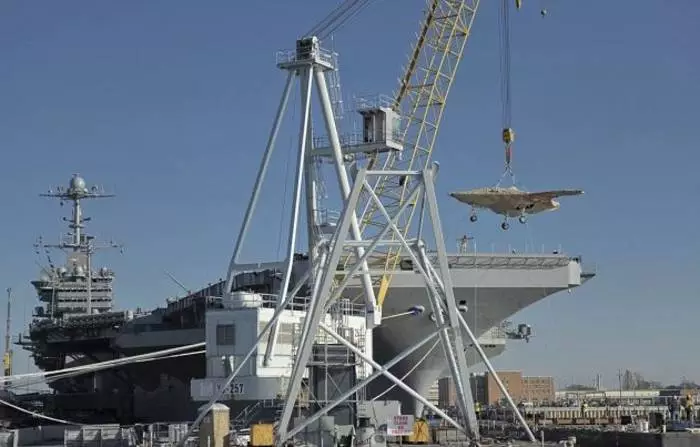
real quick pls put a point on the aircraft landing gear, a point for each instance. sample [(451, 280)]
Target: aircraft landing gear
[(473, 218), (505, 225), (522, 219)]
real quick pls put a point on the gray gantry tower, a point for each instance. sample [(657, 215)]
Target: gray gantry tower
[(328, 274)]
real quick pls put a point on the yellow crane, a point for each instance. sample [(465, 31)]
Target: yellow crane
[(421, 99)]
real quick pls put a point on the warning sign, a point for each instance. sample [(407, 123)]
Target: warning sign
[(401, 425)]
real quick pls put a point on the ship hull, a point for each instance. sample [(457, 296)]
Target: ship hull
[(155, 403), (492, 288), (395, 336), (490, 296)]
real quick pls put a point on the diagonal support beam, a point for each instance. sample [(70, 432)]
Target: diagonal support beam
[(229, 380), (458, 364), (344, 184), (458, 368), (260, 178), (373, 244), (447, 325), (379, 370), (316, 310), (477, 346), (306, 85)]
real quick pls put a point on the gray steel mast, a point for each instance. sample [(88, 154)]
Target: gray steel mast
[(79, 241)]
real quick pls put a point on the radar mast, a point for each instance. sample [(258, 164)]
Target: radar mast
[(80, 247)]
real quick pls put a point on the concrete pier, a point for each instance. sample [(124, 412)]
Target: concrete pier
[(600, 438), (582, 437), (574, 416), (595, 412)]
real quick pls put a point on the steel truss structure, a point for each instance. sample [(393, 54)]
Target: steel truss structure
[(439, 288), (308, 63), (424, 88)]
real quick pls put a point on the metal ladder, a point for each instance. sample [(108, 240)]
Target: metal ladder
[(334, 91), (243, 419), (296, 339), (247, 416), (359, 341)]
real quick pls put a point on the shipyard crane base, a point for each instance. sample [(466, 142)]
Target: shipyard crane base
[(329, 288), (308, 63), (342, 257)]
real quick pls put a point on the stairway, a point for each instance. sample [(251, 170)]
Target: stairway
[(264, 410)]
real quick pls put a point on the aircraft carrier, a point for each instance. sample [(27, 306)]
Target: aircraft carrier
[(77, 323)]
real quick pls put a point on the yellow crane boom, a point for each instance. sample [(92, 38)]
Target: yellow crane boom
[(421, 99)]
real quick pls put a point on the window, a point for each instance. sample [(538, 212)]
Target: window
[(225, 334), (229, 362)]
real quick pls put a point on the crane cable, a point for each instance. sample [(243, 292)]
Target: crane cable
[(37, 415), (92, 368), (74, 371), (507, 133), (337, 18), (105, 364)]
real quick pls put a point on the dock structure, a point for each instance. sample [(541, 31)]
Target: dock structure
[(575, 413)]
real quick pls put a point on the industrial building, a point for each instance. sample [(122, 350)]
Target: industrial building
[(535, 389)]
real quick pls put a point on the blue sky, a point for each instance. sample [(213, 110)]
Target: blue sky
[(168, 104)]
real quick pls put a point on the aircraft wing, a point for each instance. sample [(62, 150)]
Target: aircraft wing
[(549, 195), (480, 198)]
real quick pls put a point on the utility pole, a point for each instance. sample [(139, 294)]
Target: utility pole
[(619, 379), (7, 357)]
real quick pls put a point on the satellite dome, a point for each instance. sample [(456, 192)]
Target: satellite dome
[(62, 271), (77, 183), (79, 270)]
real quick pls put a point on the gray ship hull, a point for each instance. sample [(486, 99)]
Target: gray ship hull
[(76, 320), (492, 287)]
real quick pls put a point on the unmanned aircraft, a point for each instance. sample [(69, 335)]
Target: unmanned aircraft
[(512, 202)]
